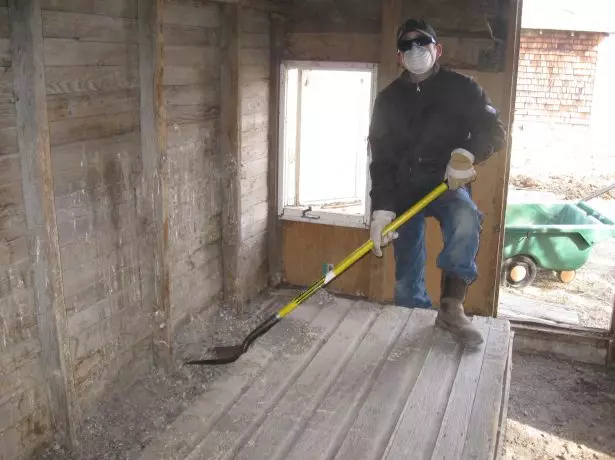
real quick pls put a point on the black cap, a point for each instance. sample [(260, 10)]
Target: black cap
[(419, 25)]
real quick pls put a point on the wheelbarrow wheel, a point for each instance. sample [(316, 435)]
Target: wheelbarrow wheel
[(520, 271), (566, 276)]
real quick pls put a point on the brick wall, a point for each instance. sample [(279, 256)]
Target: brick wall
[(556, 76)]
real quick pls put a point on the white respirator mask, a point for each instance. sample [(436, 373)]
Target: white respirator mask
[(418, 60)]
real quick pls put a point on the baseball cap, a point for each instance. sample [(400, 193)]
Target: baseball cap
[(419, 25)]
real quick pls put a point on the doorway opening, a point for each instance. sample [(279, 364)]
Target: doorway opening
[(558, 262)]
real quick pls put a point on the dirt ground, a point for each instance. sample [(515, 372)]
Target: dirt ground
[(560, 410), (570, 174), (590, 294)]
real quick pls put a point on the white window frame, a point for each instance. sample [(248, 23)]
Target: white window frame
[(305, 214)]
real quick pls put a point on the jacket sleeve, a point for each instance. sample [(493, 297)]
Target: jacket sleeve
[(384, 159), (487, 132)]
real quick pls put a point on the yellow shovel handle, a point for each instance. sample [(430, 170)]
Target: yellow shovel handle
[(362, 250)]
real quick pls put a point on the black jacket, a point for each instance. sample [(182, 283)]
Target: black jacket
[(415, 127)]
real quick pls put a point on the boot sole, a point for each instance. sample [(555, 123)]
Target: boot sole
[(446, 327)]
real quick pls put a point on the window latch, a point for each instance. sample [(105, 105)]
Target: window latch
[(305, 215)]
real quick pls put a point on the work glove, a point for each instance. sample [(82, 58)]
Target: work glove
[(381, 219), (460, 169)]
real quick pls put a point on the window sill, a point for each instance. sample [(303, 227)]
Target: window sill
[(338, 219)]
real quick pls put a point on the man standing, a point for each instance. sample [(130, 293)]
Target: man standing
[(428, 125)]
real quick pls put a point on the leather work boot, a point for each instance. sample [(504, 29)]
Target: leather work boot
[(451, 316)]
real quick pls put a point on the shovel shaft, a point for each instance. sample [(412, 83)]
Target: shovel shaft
[(361, 251)]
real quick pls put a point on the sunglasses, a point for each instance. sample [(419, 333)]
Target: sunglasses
[(407, 43)]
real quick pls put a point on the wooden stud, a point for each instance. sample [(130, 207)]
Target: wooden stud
[(380, 276), (510, 71), (229, 147), (153, 207), (275, 224), (41, 231)]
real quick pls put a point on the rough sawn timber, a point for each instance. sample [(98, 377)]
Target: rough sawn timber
[(350, 379)]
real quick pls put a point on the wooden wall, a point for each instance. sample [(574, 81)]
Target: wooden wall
[(191, 79), (91, 71), (475, 37), (24, 410), (254, 72), (113, 238)]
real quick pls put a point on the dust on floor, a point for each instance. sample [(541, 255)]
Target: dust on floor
[(560, 410), (125, 420)]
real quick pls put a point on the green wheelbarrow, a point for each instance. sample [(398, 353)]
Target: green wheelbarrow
[(556, 236)]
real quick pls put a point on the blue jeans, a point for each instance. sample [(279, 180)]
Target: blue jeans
[(460, 223)]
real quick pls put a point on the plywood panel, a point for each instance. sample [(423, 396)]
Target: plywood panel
[(306, 247)]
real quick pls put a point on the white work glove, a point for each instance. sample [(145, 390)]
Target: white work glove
[(460, 169), (381, 219)]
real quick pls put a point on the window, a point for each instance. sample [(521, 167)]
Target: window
[(324, 158)]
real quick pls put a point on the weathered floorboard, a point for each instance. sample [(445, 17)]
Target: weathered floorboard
[(339, 408), (453, 431), (185, 436), (350, 380), (284, 423)]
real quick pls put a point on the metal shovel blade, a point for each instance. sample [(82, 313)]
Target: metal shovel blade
[(221, 355), (225, 355)]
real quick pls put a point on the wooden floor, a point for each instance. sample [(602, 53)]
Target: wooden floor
[(351, 380)]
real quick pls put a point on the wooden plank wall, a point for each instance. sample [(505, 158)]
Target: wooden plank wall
[(91, 70), (254, 61), (24, 412), (94, 107), (191, 79), (475, 37)]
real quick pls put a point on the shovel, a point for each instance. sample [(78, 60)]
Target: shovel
[(228, 354)]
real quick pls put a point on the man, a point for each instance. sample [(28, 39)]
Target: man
[(428, 125)]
